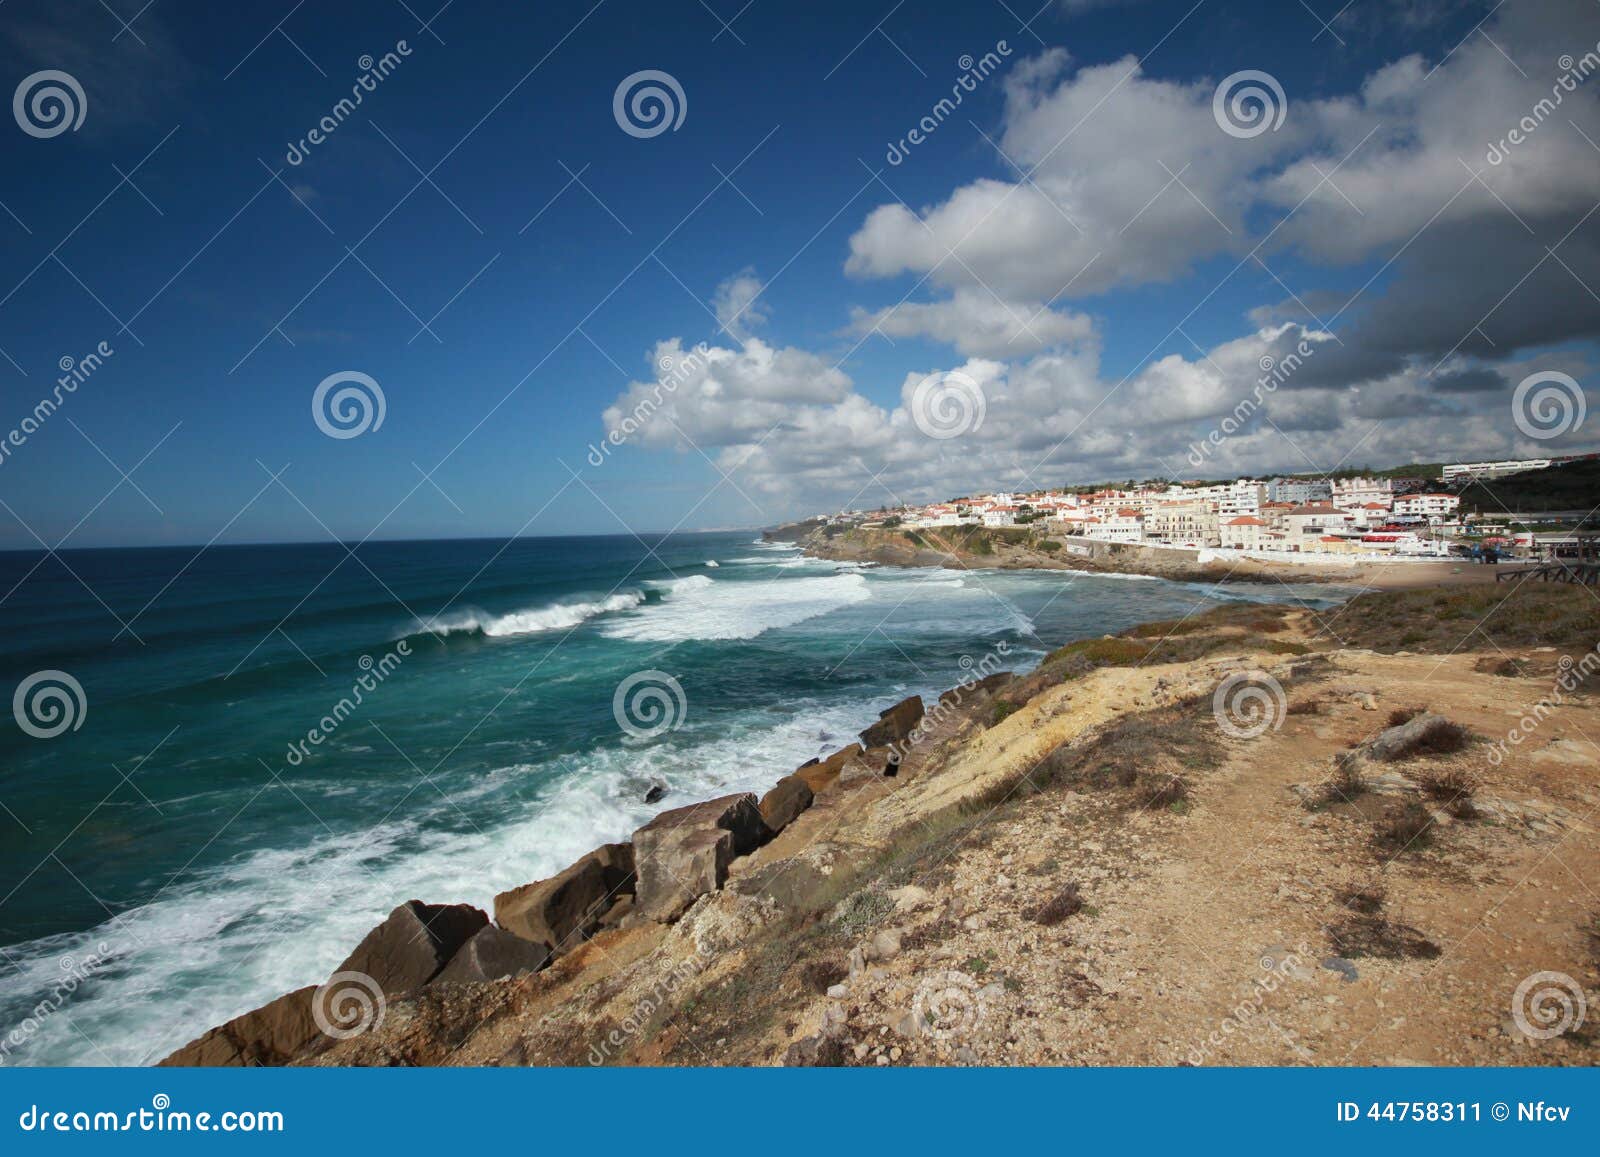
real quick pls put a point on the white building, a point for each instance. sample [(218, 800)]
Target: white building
[(1305, 526), (1369, 515), (1246, 532), (1428, 506), (1352, 492), (1125, 525), (1299, 491), (1183, 523), (1466, 470)]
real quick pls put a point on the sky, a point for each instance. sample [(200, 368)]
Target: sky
[(630, 267)]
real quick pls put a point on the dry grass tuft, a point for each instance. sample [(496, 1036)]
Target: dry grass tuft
[(1407, 828), (1446, 784), (1441, 737), (1065, 903)]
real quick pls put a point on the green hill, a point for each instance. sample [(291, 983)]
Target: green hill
[(1570, 486)]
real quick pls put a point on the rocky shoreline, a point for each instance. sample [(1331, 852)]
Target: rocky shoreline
[(1023, 549), (671, 862), (1003, 876)]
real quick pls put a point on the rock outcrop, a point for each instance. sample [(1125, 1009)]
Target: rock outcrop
[(894, 723), (684, 853), (819, 774), (966, 692), (414, 944), (270, 1035), (783, 803), (492, 954), (565, 910)]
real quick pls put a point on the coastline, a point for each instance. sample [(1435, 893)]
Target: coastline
[(1007, 551), (705, 893)]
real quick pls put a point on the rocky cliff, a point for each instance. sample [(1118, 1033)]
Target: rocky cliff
[(1026, 548), (1257, 835)]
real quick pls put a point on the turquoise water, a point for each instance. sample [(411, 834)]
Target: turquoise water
[(187, 853)]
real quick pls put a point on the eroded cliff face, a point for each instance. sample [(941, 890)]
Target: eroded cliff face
[(1025, 548), (1104, 861)]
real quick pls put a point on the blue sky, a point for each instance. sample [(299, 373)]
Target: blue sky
[(549, 253)]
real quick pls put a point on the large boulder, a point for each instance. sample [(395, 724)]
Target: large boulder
[(270, 1035), (411, 947), (781, 805), (1397, 742), (871, 764), (819, 774), (966, 692), (894, 724), (491, 954), (565, 910), (684, 853)]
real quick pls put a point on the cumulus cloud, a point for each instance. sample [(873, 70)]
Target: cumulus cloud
[(978, 323), (1428, 278), (1129, 181), (722, 396), (735, 303)]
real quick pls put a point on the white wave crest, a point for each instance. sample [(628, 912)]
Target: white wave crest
[(697, 608), (556, 617)]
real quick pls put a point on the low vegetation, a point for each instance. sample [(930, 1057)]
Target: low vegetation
[(1439, 737), (1065, 903), (1465, 618), (1407, 827), (1363, 928)]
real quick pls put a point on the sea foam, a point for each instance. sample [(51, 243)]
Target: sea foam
[(555, 617), (698, 608)]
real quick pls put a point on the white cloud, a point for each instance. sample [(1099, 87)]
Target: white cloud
[(1134, 183), (1131, 181), (735, 302), (976, 322), (727, 396)]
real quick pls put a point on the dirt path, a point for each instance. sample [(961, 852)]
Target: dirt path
[(1204, 938)]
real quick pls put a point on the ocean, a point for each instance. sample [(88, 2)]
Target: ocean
[(275, 745)]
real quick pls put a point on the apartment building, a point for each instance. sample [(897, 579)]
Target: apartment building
[(1299, 491), (1429, 506), (1183, 524)]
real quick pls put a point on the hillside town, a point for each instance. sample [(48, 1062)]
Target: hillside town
[(1365, 516)]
